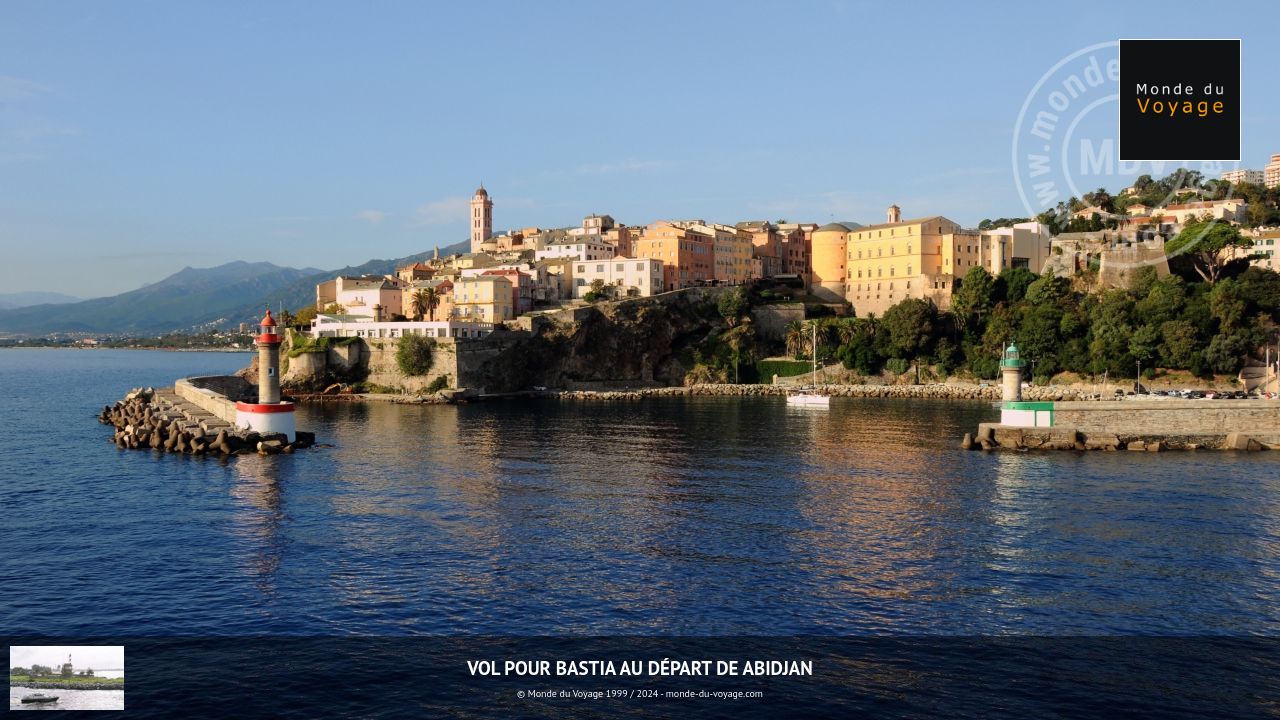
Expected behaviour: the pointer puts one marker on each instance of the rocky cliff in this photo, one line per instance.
(644, 341)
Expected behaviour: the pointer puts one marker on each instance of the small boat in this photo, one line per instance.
(809, 396)
(39, 698)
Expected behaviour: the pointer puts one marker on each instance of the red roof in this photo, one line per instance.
(268, 321)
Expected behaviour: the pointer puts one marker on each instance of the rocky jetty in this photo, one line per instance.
(160, 420)
(992, 436)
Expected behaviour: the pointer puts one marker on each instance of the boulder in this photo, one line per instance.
(966, 443)
(1236, 441)
(1136, 445)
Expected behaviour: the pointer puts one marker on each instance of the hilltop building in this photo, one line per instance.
(623, 276)
(878, 266)
(1235, 177)
(1271, 173)
(687, 256)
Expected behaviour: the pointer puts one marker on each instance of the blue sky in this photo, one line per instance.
(140, 137)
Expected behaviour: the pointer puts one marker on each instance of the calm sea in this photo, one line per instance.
(700, 516)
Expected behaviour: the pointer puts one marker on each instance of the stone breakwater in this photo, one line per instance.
(51, 685)
(936, 391)
(161, 420)
(992, 436)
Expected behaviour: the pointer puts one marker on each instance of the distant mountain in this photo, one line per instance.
(193, 299)
(9, 301)
(302, 292)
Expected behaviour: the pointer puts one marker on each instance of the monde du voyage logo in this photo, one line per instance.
(1180, 99)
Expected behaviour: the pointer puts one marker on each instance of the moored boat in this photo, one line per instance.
(810, 396)
(39, 698)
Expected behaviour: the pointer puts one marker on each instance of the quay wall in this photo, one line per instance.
(1172, 417)
(215, 394)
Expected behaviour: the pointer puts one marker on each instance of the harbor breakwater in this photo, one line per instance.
(73, 685)
(938, 391)
(165, 419)
(1139, 425)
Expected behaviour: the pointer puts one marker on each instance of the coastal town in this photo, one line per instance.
(1086, 247)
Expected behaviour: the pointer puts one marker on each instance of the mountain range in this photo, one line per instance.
(9, 301)
(192, 299)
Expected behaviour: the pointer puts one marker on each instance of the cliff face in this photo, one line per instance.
(637, 342)
(646, 341)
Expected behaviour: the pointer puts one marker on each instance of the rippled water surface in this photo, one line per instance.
(669, 516)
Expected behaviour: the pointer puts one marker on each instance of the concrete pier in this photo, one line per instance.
(1148, 425)
(190, 420)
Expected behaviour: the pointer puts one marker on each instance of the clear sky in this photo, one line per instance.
(140, 137)
(101, 657)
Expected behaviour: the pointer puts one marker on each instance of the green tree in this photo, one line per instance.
(797, 339)
(976, 296)
(733, 305)
(1210, 245)
(414, 354)
(1014, 283)
(909, 326)
(1179, 344)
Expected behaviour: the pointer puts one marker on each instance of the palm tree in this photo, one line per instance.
(433, 301)
(796, 339)
(425, 302)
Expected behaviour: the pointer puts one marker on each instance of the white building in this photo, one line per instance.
(1271, 174)
(352, 326)
(579, 247)
(625, 277)
(361, 295)
(1235, 177)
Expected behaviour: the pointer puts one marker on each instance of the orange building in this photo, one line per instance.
(688, 257)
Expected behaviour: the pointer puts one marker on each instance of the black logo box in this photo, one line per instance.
(1180, 66)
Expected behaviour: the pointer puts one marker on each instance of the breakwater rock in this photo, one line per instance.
(936, 391)
(55, 685)
(993, 436)
(148, 418)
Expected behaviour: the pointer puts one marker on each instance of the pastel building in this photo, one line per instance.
(875, 267)
(1271, 173)
(1230, 209)
(369, 295)
(521, 288)
(687, 256)
(483, 298)
(1235, 177)
(733, 250)
(443, 289)
(577, 247)
(623, 276)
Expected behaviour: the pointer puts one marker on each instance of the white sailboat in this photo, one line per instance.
(809, 396)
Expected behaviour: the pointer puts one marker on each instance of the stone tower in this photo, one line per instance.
(268, 341)
(894, 215)
(481, 218)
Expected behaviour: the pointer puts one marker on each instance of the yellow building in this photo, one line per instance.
(902, 259)
(733, 250)
(483, 298)
(827, 280)
(922, 258)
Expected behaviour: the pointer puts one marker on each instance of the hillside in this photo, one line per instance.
(9, 301)
(192, 299)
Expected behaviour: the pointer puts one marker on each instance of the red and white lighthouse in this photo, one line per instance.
(269, 414)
